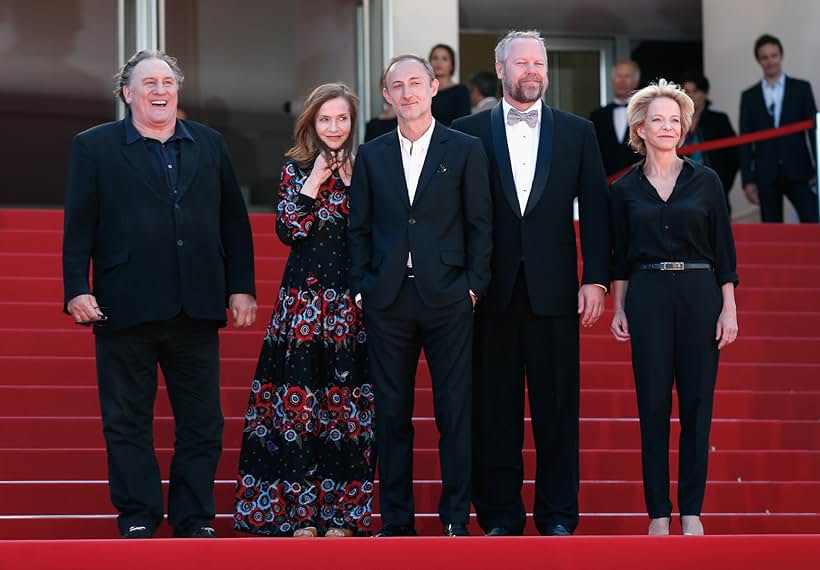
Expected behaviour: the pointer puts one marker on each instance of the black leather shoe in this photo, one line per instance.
(396, 530)
(203, 531)
(138, 531)
(500, 531)
(558, 530)
(456, 529)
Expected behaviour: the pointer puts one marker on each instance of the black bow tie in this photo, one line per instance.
(619, 104)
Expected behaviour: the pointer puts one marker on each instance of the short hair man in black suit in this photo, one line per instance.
(153, 201)
(784, 166)
(610, 120)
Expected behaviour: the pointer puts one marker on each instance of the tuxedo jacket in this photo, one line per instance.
(615, 152)
(154, 256)
(715, 125)
(543, 238)
(446, 228)
(759, 161)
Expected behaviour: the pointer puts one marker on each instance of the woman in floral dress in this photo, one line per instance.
(306, 465)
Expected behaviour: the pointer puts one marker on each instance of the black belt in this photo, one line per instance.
(673, 266)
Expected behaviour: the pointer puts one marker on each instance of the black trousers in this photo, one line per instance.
(546, 350)
(672, 318)
(395, 338)
(188, 353)
(798, 193)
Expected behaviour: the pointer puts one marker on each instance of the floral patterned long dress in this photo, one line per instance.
(307, 449)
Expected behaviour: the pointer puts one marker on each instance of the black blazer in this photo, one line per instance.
(543, 239)
(615, 153)
(758, 161)
(715, 125)
(446, 228)
(154, 257)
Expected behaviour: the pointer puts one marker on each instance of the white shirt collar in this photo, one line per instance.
(781, 81)
(422, 142)
(535, 106)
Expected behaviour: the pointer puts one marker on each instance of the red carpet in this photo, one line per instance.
(635, 553)
(763, 473)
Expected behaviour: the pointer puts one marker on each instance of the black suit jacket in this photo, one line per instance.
(152, 256)
(715, 125)
(759, 161)
(543, 239)
(615, 153)
(447, 228)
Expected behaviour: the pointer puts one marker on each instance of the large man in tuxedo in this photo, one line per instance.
(782, 166)
(420, 218)
(154, 202)
(610, 120)
(540, 160)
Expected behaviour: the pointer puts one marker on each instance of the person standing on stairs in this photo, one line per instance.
(674, 277)
(307, 461)
(153, 201)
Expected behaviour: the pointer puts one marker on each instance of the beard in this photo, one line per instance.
(525, 93)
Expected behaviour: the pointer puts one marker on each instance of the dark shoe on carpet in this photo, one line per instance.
(204, 531)
(396, 530)
(558, 530)
(456, 529)
(138, 531)
(501, 531)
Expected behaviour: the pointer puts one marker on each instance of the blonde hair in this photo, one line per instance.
(307, 144)
(639, 105)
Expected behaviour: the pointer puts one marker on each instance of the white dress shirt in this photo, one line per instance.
(413, 154)
(522, 141)
(773, 96)
(619, 119)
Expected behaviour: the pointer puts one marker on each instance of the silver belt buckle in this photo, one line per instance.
(672, 266)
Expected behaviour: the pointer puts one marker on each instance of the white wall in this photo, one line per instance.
(730, 28)
(418, 25)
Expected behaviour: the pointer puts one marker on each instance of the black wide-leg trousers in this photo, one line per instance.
(187, 351)
(545, 350)
(672, 318)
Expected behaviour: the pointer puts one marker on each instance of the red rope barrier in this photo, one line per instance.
(727, 142)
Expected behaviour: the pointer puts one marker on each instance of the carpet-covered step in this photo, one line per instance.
(23, 464)
(58, 400)
(238, 343)
(49, 315)
(81, 371)
(93, 526)
(92, 497)
(603, 433)
(50, 289)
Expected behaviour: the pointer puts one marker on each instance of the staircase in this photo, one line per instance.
(764, 466)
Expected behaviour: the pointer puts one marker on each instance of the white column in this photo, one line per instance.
(730, 28)
(415, 26)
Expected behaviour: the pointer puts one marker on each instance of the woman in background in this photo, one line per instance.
(453, 99)
(306, 464)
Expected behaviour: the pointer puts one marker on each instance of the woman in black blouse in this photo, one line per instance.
(453, 99)
(673, 287)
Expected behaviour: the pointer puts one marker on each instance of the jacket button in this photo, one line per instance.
(179, 242)
(411, 221)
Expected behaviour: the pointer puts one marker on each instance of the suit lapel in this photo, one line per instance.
(544, 161)
(435, 154)
(502, 157)
(189, 156)
(394, 165)
(761, 101)
(788, 102)
(139, 159)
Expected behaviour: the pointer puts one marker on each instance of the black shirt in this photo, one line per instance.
(165, 157)
(450, 104)
(693, 225)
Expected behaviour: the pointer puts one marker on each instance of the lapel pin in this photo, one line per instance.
(441, 169)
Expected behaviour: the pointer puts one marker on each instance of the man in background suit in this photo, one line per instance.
(541, 159)
(420, 245)
(154, 202)
(782, 166)
(610, 121)
(483, 91)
